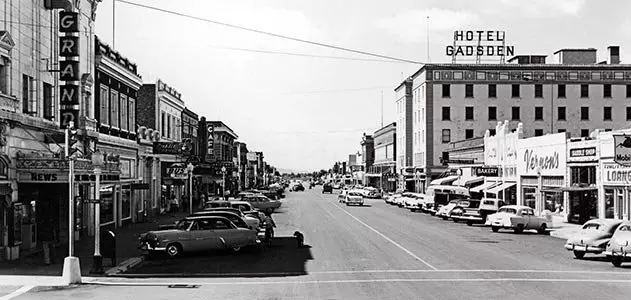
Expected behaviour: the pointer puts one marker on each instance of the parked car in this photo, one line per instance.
(373, 193)
(263, 203)
(462, 206)
(593, 237)
(250, 218)
(298, 188)
(354, 197)
(194, 234)
(488, 206)
(414, 202)
(217, 203)
(517, 218)
(327, 188)
(439, 195)
(341, 197)
(619, 247)
(390, 198)
(445, 211)
(398, 201)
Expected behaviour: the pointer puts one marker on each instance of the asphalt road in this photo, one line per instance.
(376, 251)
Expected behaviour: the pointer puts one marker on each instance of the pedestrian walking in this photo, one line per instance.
(269, 228)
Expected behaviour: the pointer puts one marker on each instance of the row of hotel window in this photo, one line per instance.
(470, 133)
(516, 90)
(516, 113)
(117, 109)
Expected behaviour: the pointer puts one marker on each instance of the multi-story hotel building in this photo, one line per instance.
(450, 102)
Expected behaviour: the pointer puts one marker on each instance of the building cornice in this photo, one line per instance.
(113, 69)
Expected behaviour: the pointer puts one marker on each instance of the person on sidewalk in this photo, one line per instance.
(269, 228)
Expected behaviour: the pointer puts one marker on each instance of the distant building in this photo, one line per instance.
(383, 174)
(404, 135)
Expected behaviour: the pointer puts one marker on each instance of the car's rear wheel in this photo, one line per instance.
(616, 261)
(270, 210)
(469, 223)
(454, 219)
(445, 217)
(235, 249)
(174, 250)
(413, 209)
(579, 254)
(542, 229)
(519, 228)
(495, 229)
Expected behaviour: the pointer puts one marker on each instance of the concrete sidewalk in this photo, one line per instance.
(561, 229)
(126, 251)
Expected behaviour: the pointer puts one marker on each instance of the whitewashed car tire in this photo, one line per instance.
(173, 250)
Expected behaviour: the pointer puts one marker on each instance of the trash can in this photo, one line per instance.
(108, 246)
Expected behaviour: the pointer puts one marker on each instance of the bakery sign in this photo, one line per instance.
(622, 149)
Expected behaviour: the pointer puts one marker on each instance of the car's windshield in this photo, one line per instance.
(592, 226)
(509, 210)
(489, 202)
(183, 224)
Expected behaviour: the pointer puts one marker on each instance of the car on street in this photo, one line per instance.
(445, 211)
(462, 206)
(414, 202)
(399, 200)
(251, 218)
(354, 197)
(593, 237)
(327, 188)
(440, 195)
(373, 193)
(390, 198)
(488, 206)
(517, 218)
(298, 188)
(217, 203)
(196, 234)
(263, 203)
(341, 197)
(619, 247)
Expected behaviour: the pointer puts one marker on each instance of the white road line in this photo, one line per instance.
(471, 271)
(17, 292)
(398, 280)
(385, 237)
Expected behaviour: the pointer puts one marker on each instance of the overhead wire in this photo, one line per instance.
(302, 54)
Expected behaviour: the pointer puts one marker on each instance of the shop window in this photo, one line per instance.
(492, 91)
(607, 90)
(609, 203)
(538, 91)
(446, 138)
(515, 91)
(114, 109)
(29, 101)
(468, 114)
(584, 90)
(492, 113)
(468, 90)
(553, 202)
(49, 102)
(582, 176)
(18, 211)
(530, 196)
(607, 113)
(561, 91)
(107, 203)
(126, 202)
(446, 113)
(446, 91)
(538, 132)
(538, 113)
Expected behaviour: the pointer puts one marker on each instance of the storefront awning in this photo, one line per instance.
(444, 180)
(501, 187)
(484, 186)
(578, 188)
(466, 181)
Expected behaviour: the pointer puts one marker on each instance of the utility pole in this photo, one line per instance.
(381, 109)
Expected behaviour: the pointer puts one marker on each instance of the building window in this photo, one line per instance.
(132, 114)
(49, 102)
(446, 91)
(492, 113)
(584, 132)
(584, 90)
(468, 134)
(628, 90)
(446, 136)
(538, 113)
(492, 91)
(104, 112)
(607, 113)
(561, 113)
(445, 157)
(114, 108)
(585, 113)
(3, 78)
(561, 91)
(538, 91)
(29, 101)
(123, 112)
(560, 130)
(515, 90)
(468, 90)
(538, 132)
(468, 113)
(163, 125)
(628, 113)
(607, 90)
(491, 132)
(515, 113)
(446, 113)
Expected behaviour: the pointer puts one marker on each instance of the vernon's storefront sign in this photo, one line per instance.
(613, 173)
(545, 155)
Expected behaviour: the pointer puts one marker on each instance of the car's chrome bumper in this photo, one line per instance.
(147, 247)
(583, 248)
(470, 218)
(617, 253)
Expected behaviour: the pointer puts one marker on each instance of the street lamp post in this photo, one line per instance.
(97, 259)
(223, 172)
(72, 268)
(190, 186)
(539, 205)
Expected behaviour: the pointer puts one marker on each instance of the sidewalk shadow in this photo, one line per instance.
(282, 258)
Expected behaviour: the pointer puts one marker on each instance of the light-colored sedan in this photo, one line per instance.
(517, 218)
(354, 197)
(414, 202)
(593, 237)
(445, 211)
(619, 247)
(194, 234)
(263, 203)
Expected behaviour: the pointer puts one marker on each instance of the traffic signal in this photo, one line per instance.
(75, 145)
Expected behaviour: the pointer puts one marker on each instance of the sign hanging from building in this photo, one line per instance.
(479, 44)
(211, 141)
(616, 174)
(167, 148)
(622, 149)
(583, 152)
(69, 68)
(486, 171)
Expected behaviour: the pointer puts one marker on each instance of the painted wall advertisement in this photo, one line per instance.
(545, 154)
(616, 174)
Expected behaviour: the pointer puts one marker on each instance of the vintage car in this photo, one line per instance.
(463, 206)
(439, 195)
(400, 201)
(593, 237)
(390, 198)
(488, 206)
(619, 247)
(216, 203)
(445, 210)
(250, 218)
(327, 188)
(263, 203)
(373, 193)
(414, 202)
(517, 218)
(200, 233)
(354, 197)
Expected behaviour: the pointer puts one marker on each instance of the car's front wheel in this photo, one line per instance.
(495, 229)
(616, 261)
(235, 249)
(579, 254)
(174, 250)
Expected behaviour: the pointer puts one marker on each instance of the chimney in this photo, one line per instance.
(614, 55)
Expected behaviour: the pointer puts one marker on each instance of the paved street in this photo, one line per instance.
(373, 252)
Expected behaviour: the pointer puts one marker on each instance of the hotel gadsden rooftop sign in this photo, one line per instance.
(479, 43)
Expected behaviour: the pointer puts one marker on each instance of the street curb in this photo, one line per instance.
(208, 275)
(125, 266)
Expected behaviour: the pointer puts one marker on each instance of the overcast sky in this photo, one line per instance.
(304, 113)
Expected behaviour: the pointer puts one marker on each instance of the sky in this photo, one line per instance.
(305, 113)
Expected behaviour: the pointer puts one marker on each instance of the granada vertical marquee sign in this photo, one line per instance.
(69, 68)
